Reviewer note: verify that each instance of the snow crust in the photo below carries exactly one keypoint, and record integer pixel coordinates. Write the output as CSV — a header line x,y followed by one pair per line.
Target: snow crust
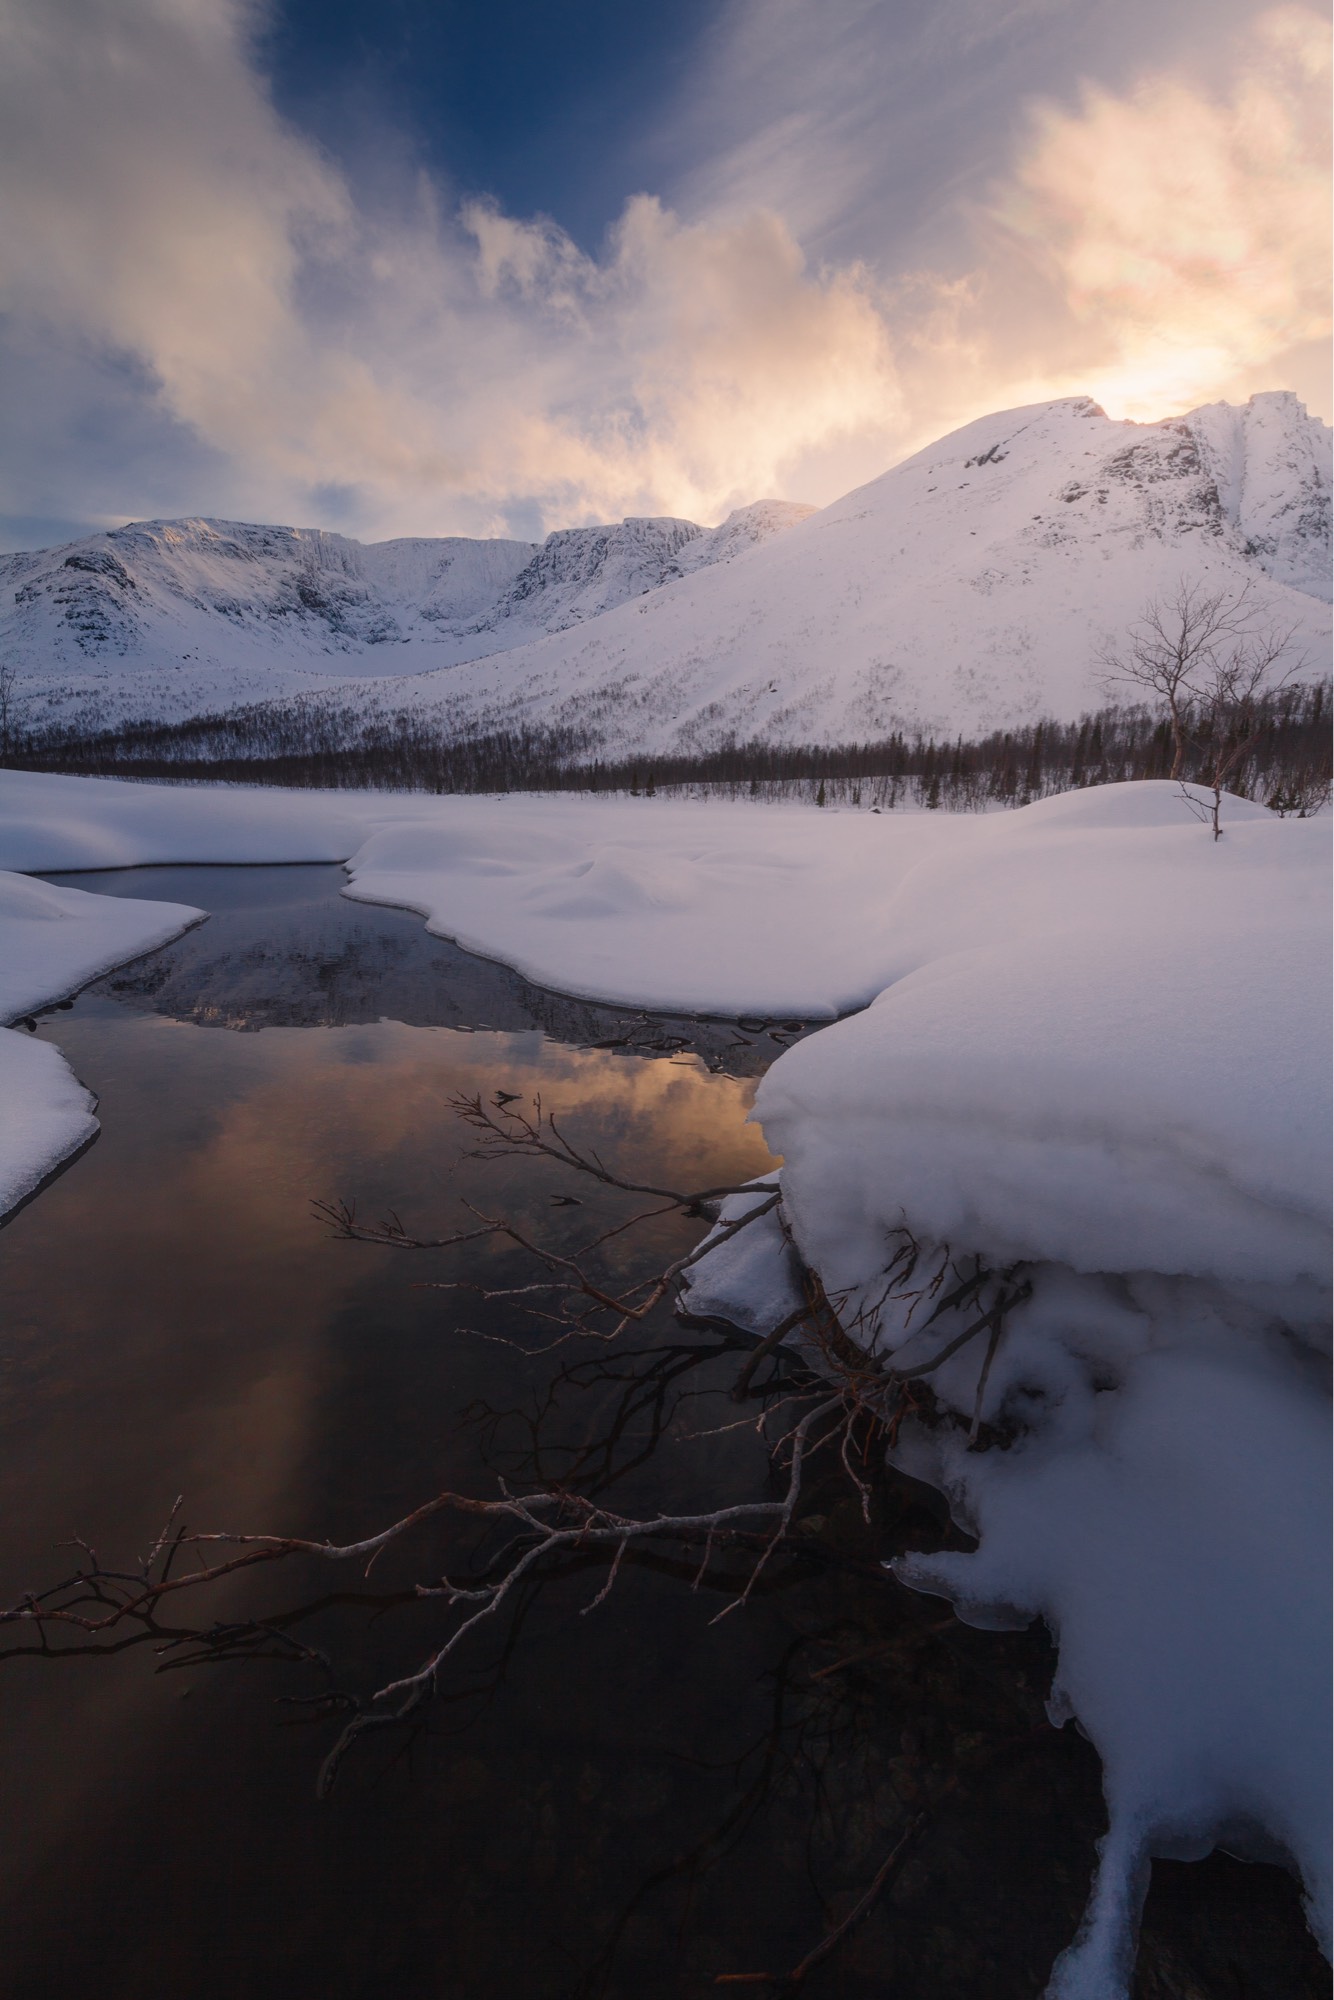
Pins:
x,y
1102,1065
52,941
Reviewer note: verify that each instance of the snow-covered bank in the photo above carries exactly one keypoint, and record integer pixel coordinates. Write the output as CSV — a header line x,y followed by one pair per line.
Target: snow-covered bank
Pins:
x,y
1103,1041
669,903
1098,1065
52,941
1102,1070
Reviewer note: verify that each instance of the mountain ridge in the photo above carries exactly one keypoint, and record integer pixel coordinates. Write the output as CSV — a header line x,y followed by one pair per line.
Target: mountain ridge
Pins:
x,y
968,588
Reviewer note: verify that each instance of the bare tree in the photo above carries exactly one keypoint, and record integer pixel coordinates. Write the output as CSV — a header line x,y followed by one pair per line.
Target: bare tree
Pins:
x,y
1172,645
1211,661
9,706
1231,692
838,1392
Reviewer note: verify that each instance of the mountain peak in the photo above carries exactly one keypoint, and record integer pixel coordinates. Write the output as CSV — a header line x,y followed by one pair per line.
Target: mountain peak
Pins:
x,y
967,589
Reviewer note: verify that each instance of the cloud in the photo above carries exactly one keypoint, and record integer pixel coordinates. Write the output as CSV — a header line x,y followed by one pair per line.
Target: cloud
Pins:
x,y
688,366
1156,248
1191,232
170,247
437,369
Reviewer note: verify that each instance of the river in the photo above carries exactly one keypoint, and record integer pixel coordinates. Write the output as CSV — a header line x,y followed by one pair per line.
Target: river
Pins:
x,y
632,1802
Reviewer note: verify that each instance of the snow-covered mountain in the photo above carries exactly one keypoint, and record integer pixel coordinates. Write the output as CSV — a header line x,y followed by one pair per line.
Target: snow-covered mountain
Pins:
x,y
168,618
580,572
967,589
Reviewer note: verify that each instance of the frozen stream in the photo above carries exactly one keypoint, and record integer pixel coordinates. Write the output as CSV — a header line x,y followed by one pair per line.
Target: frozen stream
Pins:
x,y
631,1803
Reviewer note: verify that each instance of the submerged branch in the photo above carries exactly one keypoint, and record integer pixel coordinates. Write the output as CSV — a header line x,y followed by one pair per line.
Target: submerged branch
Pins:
x,y
854,1394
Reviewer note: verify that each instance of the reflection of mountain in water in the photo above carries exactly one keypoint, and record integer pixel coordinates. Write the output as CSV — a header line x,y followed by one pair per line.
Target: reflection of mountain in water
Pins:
x,y
283,948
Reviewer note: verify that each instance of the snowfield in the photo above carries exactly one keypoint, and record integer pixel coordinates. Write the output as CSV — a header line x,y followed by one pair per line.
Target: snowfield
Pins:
x,y
667,903
966,590
1091,1066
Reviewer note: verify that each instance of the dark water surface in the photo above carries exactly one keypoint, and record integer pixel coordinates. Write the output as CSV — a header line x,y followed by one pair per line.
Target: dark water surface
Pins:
x,y
632,1802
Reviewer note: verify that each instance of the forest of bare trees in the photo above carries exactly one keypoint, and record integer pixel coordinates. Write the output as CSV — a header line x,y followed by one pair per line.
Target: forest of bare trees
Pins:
x,y
1283,761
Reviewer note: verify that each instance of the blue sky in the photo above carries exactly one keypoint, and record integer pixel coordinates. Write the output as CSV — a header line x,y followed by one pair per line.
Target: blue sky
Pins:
x,y
436,266
544,107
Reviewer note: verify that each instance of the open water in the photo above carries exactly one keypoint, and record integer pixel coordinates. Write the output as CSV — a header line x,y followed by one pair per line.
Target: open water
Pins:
x,y
638,1801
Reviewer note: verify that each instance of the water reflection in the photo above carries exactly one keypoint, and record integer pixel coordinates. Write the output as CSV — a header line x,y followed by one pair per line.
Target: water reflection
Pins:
x,y
629,1803
282,948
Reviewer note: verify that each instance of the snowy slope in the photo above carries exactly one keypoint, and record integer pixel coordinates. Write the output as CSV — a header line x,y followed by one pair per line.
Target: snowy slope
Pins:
x,y
168,618
965,590
580,572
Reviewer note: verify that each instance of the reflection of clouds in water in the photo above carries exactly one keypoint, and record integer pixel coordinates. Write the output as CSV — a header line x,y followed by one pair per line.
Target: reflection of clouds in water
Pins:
x,y
196,1342
666,1120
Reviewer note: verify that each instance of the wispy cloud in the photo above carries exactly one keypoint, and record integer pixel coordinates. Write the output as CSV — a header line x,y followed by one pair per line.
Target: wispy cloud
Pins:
x,y
438,371
294,354
1189,233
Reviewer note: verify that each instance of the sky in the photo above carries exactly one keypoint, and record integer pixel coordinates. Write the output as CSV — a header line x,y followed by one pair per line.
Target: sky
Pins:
x,y
494,267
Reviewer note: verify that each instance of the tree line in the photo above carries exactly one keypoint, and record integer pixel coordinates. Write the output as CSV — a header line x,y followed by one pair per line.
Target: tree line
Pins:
x,y
312,742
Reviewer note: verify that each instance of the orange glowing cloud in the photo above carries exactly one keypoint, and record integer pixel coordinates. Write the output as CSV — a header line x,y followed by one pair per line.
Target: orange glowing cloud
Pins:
x,y
459,372
1190,233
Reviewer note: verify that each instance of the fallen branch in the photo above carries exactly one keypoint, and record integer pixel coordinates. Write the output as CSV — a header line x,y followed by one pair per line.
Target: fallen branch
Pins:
x,y
788,1982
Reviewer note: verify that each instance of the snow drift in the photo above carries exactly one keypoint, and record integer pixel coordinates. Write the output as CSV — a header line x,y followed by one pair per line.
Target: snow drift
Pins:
x,y
1103,1041
53,941
1102,1066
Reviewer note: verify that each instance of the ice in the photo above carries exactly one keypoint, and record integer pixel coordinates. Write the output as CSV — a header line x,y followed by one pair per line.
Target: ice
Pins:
x,y
52,941
751,1279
